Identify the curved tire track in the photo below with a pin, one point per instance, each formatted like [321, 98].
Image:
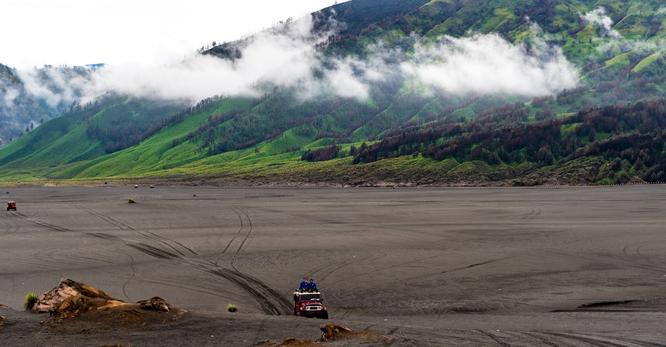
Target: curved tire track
[270, 301]
[238, 233]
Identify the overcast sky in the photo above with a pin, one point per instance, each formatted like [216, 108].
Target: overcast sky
[78, 32]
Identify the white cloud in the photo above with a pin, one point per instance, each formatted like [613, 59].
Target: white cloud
[287, 56]
[284, 56]
[600, 18]
[279, 58]
[9, 96]
[488, 64]
[346, 84]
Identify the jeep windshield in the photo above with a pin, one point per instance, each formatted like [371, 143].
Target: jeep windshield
[309, 297]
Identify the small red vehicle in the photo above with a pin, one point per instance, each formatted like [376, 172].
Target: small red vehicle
[309, 304]
[11, 206]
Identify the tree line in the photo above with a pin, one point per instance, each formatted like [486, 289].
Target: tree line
[630, 135]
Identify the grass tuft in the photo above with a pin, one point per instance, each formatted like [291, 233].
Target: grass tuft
[30, 300]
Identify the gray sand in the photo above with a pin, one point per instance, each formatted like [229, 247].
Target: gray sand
[459, 266]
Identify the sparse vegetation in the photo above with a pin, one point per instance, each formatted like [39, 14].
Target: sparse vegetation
[30, 300]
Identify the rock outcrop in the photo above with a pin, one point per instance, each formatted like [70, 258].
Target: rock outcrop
[68, 295]
[71, 299]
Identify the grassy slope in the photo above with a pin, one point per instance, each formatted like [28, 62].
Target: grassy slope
[157, 152]
[60, 141]
[55, 144]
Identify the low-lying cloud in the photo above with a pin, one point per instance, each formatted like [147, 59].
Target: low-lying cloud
[616, 43]
[488, 64]
[601, 18]
[287, 56]
[282, 57]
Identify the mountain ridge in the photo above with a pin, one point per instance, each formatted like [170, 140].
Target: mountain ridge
[240, 137]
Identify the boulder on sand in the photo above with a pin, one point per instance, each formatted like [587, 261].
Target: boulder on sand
[155, 304]
[71, 299]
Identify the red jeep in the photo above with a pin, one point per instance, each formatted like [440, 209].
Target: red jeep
[11, 206]
[309, 304]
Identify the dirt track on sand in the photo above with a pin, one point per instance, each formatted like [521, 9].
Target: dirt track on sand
[458, 266]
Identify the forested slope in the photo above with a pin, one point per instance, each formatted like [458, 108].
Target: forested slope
[407, 127]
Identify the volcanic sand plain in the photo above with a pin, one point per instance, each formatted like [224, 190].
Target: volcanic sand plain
[551, 266]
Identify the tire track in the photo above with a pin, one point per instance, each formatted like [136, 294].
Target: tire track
[167, 242]
[118, 224]
[240, 230]
[131, 277]
[153, 251]
[144, 248]
[269, 300]
[312, 272]
[645, 259]
[336, 268]
[598, 341]
[382, 269]
[532, 214]
[234, 258]
[494, 338]
[41, 223]
[611, 259]
[147, 234]
[9, 225]
[542, 339]
[327, 268]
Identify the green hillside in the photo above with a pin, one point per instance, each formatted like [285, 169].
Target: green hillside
[265, 138]
[74, 137]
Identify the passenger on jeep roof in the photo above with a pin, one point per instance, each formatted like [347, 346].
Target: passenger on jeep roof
[312, 286]
[304, 284]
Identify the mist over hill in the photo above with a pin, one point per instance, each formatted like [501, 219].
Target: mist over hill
[297, 101]
[21, 111]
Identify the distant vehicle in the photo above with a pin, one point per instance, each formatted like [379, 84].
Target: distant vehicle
[309, 304]
[11, 206]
